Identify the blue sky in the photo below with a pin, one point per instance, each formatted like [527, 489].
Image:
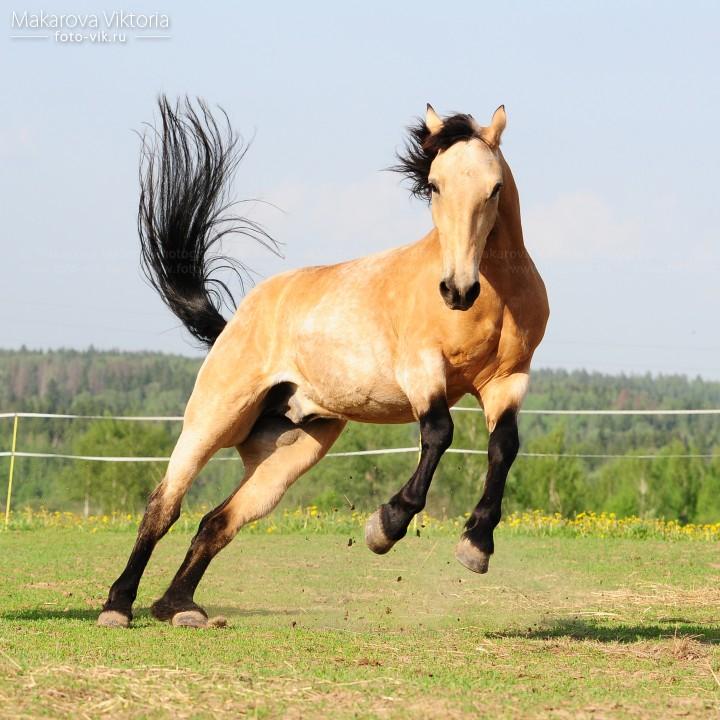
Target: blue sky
[614, 114]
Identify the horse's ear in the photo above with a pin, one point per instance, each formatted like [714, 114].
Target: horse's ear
[433, 121]
[492, 133]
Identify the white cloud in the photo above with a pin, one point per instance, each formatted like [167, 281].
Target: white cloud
[328, 223]
[581, 226]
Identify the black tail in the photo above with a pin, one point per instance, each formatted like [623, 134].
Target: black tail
[185, 170]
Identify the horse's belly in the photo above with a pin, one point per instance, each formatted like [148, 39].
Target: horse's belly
[354, 380]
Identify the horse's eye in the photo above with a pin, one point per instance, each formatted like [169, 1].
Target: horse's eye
[433, 188]
[496, 190]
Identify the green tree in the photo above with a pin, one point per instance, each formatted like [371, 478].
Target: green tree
[116, 486]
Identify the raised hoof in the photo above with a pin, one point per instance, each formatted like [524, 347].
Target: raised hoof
[472, 557]
[113, 619]
[190, 619]
[375, 536]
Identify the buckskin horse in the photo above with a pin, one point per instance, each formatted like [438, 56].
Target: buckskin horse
[393, 337]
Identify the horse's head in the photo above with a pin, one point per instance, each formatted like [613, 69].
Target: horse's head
[455, 164]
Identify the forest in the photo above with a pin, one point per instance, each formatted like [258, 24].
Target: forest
[96, 382]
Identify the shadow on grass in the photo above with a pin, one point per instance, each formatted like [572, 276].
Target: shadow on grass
[44, 614]
[605, 632]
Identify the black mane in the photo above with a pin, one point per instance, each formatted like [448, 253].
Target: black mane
[422, 148]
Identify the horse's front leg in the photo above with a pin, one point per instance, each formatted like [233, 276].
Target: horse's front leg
[501, 402]
[389, 523]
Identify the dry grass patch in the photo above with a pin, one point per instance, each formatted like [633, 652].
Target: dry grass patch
[70, 692]
[645, 594]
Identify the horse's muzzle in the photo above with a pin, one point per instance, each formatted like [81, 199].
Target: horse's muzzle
[457, 299]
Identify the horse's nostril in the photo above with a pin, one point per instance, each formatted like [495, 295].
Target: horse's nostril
[447, 292]
[472, 294]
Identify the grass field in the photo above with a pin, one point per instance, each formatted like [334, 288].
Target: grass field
[319, 627]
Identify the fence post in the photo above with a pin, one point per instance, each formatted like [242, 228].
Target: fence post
[12, 470]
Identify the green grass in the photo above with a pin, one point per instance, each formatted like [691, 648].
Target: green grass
[560, 627]
[312, 521]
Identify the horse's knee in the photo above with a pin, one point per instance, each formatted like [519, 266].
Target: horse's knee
[436, 427]
[504, 441]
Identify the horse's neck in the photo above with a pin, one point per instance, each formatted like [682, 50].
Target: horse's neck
[507, 235]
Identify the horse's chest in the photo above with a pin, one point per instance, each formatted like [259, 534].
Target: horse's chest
[471, 346]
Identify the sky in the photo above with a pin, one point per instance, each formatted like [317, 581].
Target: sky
[613, 126]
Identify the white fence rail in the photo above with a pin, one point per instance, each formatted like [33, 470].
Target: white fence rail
[14, 453]
[170, 418]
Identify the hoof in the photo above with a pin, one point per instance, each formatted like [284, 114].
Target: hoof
[190, 618]
[217, 622]
[375, 536]
[471, 557]
[113, 619]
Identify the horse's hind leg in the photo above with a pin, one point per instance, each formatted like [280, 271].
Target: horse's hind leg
[208, 426]
[275, 454]
[190, 455]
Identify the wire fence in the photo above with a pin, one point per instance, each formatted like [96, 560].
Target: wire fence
[14, 452]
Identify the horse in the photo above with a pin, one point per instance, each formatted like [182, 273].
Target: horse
[394, 337]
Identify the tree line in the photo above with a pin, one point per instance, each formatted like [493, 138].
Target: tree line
[117, 383]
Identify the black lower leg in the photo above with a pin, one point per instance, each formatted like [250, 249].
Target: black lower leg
[436, 433]
[212, 536]
[160, 514]
[502, 450]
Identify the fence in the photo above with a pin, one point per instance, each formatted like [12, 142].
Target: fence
[14, 453]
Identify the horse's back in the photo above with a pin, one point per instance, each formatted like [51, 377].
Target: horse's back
[324, 329]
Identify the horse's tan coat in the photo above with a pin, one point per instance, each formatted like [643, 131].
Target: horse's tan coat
[371, 339]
